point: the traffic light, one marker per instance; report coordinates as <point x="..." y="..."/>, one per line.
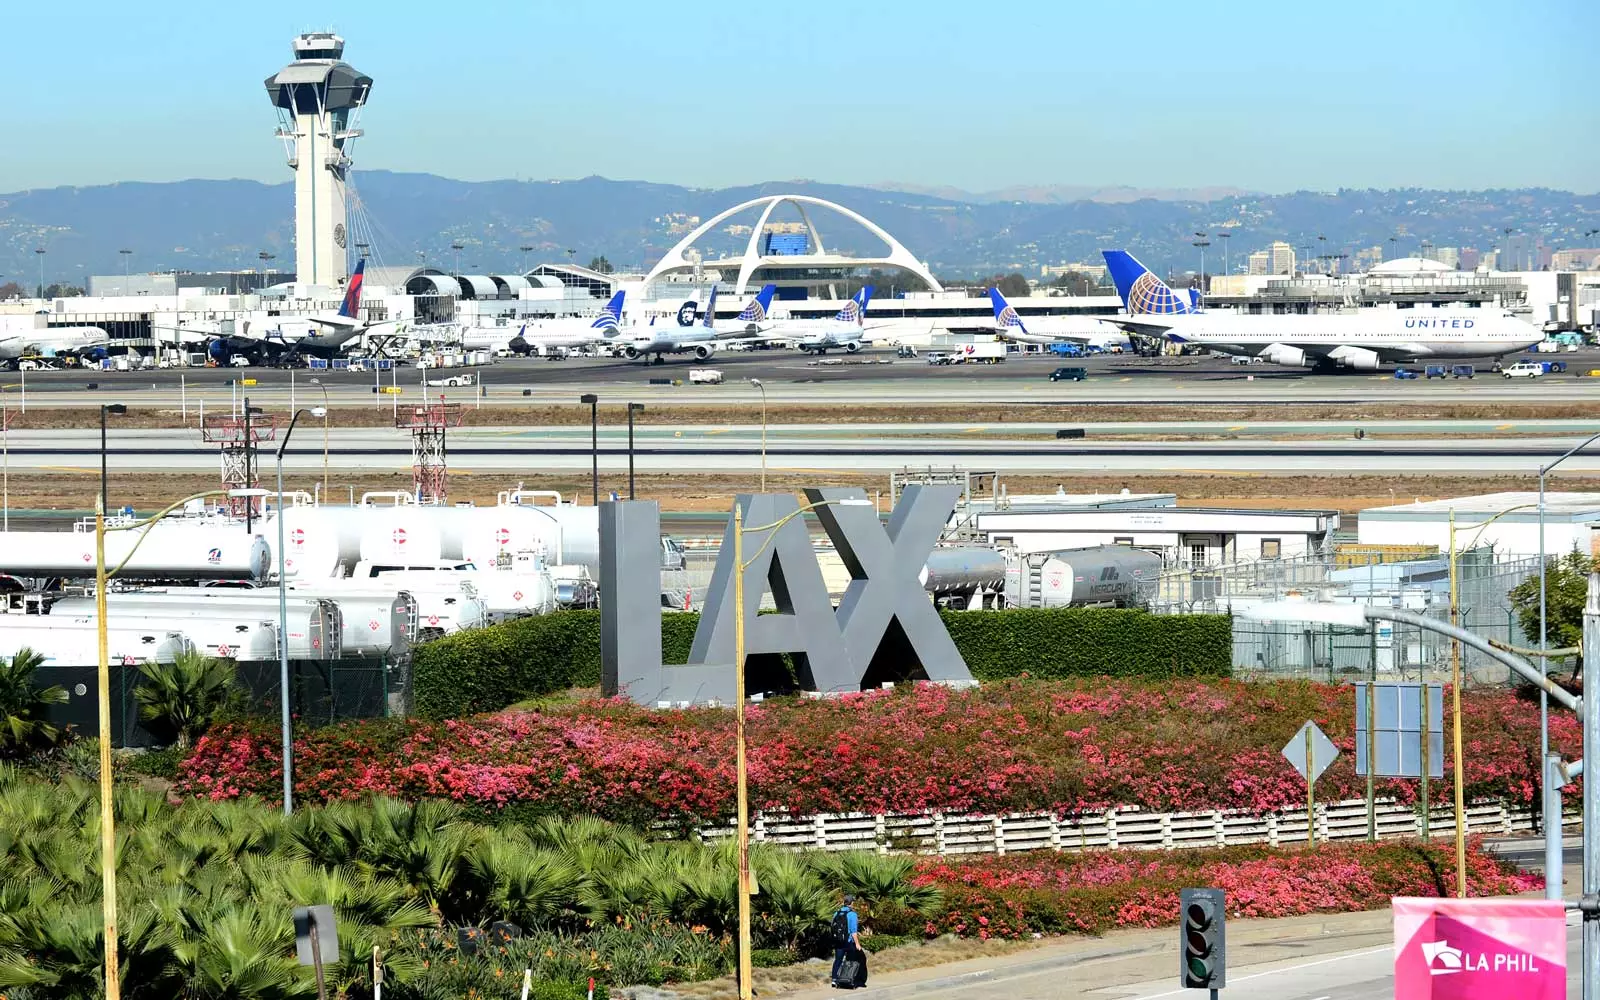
<point x="1203" y="946"/>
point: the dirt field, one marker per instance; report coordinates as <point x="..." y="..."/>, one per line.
<point x="72" y="491"/>
<point x="501" y="416"/>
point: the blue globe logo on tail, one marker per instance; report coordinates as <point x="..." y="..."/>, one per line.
<point x="1150" y="295"/>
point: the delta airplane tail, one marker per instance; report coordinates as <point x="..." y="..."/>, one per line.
<point x="1142" y="293"/>
<point x="611" y="315"/>
<point x="352" y="291"/>
<point x="759" y="306"/>
<point x="855" y="311"/>
<point x="1005" y="314"/>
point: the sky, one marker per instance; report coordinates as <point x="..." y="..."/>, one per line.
<point x="1263" y="96"/>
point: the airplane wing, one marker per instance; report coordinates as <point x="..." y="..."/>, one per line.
<point x="1144" y="326"/>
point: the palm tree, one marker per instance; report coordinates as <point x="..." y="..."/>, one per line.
<point x="22" y="704"/>
<point x="184" y="695"/>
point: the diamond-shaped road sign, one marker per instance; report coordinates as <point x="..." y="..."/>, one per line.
<point x="1322" y="751"/>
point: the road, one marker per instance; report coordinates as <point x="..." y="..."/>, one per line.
<point x="790" y="378"/>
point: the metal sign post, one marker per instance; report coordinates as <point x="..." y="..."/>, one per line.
<point x="1396" y="726"/>
<point x="1310" y="752"/>
<point x="315" y="934"/>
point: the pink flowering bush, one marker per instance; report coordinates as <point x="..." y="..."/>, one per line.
<point x="1073" y="747"/>
<point x="1047" y="893"/>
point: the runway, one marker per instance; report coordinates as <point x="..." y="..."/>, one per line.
<point x="868" y="450"/>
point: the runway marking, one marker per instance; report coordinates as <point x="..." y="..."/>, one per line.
<point x="1505" y="427"/>
<point x="1238" y="427"/>
<point x="974" y="430"/>
<point x="1291" y="968"/>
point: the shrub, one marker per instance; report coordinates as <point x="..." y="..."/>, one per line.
<point x="182" y="697"/>
<point x="484" y="670"/>
<point x="772" y="958"/>
<point x="23" y="705"/>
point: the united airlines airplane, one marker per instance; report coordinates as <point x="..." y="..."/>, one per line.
<point x="1052" y="329"/>
<point x="541" y="336"/>
<point x="846" y="330"/>
<point x="1350" y="340"/>
<point x="702" y="341"/>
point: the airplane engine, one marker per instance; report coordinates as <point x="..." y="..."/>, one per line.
<point x="1282" y="354"/>
<point x="851" y="346"/>
<point x="704" y="351"/>
<point x="631" y="352"/>
<point x="217" y="350"/>
<point x="518" y="346"/>
<point x="1355" y="357"/>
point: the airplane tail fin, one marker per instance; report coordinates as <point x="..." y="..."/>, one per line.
<point x="1005" y="314"/>
<point x="1194" y="300"/>
<point x="1142" y="293"/>
<point x="856" y="309"/>
<point x="759" y="306"/>
<point x="611" y="315"/>
<point x="352" y="291"/>
<point x="711" y="309"/>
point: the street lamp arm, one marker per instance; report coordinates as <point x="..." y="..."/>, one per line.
<point x="1569" y="453"/>
<point x="147" y="522"/>
<point x="780" y="522"/>
<point x="1520" y="651"/>
<point x="1515" y="662"/>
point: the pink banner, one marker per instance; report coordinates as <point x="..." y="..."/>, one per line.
<point x="1480" y="949"/>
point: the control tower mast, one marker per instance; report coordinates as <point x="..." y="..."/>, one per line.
<point x="319" y="99"/>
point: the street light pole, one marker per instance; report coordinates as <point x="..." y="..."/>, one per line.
<point x="594" y="444"/>
<point x="108" y="834"/>
<point x="632" y="409"/>
<point x="325" y="413"/>
<point x="283" y="627"/>
<point x="1591" y="794"/>
<point x="757" y="383"/>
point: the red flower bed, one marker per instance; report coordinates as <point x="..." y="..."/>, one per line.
<point x="1047" y="893"/>
<point x="1068" y="746"/>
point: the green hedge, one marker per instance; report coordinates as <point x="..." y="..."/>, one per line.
<point x="487" y="669"/>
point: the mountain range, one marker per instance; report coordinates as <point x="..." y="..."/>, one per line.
<point x="408" y="217"/>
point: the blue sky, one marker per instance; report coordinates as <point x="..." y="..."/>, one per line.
<point x="1266" y="96"/>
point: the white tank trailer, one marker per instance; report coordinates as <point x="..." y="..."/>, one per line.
<point x="75" y="643"/>
<point x="560" y="533"/>
<point x="315" y="627"/>
<point x="1103" y="574"/>
<point x="377" y="621"/>
<point x="962" y="570"/>
<point x="244" y="637"/>
<point x="167" y="550"/>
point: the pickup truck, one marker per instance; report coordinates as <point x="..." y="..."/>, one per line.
<point x="939" y="358"/>
<point x="705" y="376"/>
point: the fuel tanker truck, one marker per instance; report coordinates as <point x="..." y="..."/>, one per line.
<point x="971" y="577"/>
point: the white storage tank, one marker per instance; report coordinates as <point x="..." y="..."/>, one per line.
<point x="962" y="569"/>
<point x="1102" y="574"/>
<point x="172" y="549"/>
<point x="558" y="532"/>
<point x="376" y="621"/>
<point x="317" y="540"/>
<point x="314" y="626"/>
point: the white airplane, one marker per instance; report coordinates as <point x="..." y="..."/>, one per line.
<point x="77" y="341"/>
<point x="703" y="340"/>
<point x="1362" y="341"/>
<point x="846" y="330"/>
<point x="540" y="336"/>
<point x="1008" y="325"/>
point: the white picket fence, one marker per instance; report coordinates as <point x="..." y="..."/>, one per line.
<point x="937" y="833"/>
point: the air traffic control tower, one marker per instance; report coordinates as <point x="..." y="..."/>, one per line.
<point x="319" y="99"/>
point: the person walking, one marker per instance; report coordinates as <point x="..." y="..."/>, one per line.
<point x="846" y="932"/>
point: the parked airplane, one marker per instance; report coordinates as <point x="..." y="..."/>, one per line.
<point x="703" y="340"/>
<point x="1365" y="340"/>
<point x="75" y="341"/>
<point x="541" y="336"/>
<point x="845" y="330"/>
<point x="1053" y="329"/>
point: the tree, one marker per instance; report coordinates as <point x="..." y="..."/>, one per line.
<point x="22" y="704"/>
<point x="600" y="264"/>
<point x="12" y="290"/>
<point x="1013" y="286"/>
<point x="62" y="291"/>
<point x="1074" y="282"/>
<point x="1566" y="590"/>
<point x="185" y="695"/>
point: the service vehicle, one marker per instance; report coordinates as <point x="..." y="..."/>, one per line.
<point x="1405" y="373"/>
<point x="939" y="358"/>
<point x="1069" y="374"/>
<point x="905" y="351"/>
<point x="1523" y="369"/>
<point x="705" y="376"/>
<point x="1463" y="371"/>
<point x="454" y="381"/>
<point x="1553" y="367"/>
<point x="984" y="352"/>
<point x="1437" y="371"/>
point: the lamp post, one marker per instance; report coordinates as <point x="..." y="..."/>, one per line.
<point x="40" y="253"/>
<point x="325" y="412"/>
<point x="747" y="886"/>
<point x="632" y="409"/>
<point x="757" y="383"/>
<point x="108" y="837"/>
<point x="125" y="253"/>
<point x="1552" y="853"/>
<point x="525" y="248"/>
<point x="1201" y="242"/>
<point x="457" y="248"/>
<point x="117" y="409"/>
<point x="283" y="621"/>
<point x="594" y="444"/>
<point x="1455" y="705"/>
<point x="1225" y="237"/>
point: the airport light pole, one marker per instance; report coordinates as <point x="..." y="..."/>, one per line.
<point x="1202" y="243"/>
<point x="126" y="253"/>
<point x="457" y="248"/>
<point x="632" y="409"/>
<point x="112" y="408"/>
<point x="757" y="383"/>
<point x="747" y="886"/>
<point x="594" y="445"/>
<point x="283" y="622"/>
<point x="325" y="412"/>
<point x="1544" y="668"/>
<point x="108" y="834"/>
<point x="40" y="252"/>
<point x="1225" y="237"/>
<point x="525" y="250"/>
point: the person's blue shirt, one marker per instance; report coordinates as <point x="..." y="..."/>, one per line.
<point x="851" y="920"/>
